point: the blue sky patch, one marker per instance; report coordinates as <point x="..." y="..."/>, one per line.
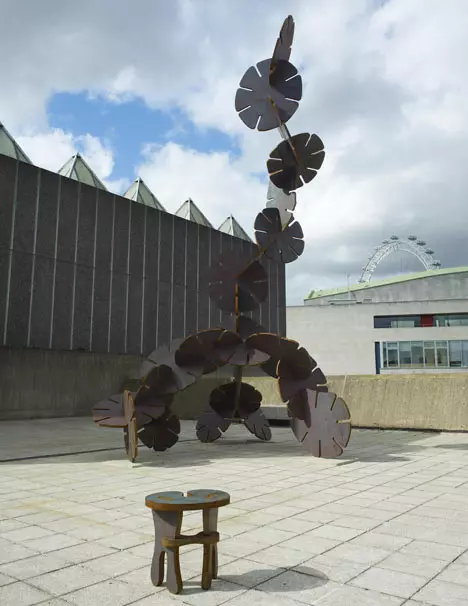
<point x="127" y="127"/>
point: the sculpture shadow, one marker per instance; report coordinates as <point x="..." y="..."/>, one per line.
<point x="452" y="446"/>
<point x="266" y="580"/>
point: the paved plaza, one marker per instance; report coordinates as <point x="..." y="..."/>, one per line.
<point x="385" y="525"/>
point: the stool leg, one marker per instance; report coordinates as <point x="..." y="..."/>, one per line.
<point x="210" y="552"/>
<point x="174" y="578"/>
<point x="166" y="524"/>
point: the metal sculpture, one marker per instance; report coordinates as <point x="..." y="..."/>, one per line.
<point x="267" y="97"/>
<point x="414" y="246"/>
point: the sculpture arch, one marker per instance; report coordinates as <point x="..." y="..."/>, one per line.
<point x="413" y="245"/>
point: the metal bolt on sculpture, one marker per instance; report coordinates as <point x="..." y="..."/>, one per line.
<point x="267" y="97"/>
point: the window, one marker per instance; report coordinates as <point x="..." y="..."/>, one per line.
<point x="455" y="351"/>
<point x="442" y="354"/>
<point x="425" y="354"/>
<point x="451" y="320"/>
<point x="417" y="354"/>
<point x="405" y="354"/>
<point x="429" y="354"/>
<point x="424" y="321"/>
<point x="396" y="321"/>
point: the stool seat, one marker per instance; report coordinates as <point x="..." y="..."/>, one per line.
<point x="168" y="508"/>
<point x="195" y="499"/>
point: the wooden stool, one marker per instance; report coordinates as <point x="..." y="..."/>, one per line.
<point x="168" y="509"/>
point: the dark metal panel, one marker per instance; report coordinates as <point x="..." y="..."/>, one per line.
<point x="165" y="247"/>
<point x="153" y="218"/>
<point x="68" y="217"/>
<point x="41" y="310"/>
<point x="104" y="229"/>
<point x="20" y="292"/>
<point x="137" y="236"/>
<point x="47" y="215"/>
<point x="86" y="225"/>
<point x="8" y="168"/>
<point x="100" y="326"/>
<point x="191" y="267"/>
<point x="282" y="300"/>
<point x="25" y="211"/>
<point x="216" y="243"/>
<point x="178" y="312"/>
<point x="164" y="314"/>
<point x="82" y="307"/>
<point x="203" y="310"/>
<point x="63" y="305"/>
<point x="118" y="312"/>
<point x="264" y="318"/>
<point x="121" y="234"/>
<point x="204" y="240"/>
<point x="180" y="230"/>
<point x="135" y="294"/>
<point x="150" y="315"/>
<point x="4" y="265"/>
<point x="273" y="296"/>
<point x="191" y="308"/>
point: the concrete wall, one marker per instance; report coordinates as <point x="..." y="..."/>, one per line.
<point x="84" y="269"/>
<point x="47" y="384"/>
<point x="427" y="288"/>
<point x="341" y="337"/>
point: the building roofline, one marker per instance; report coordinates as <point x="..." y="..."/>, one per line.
<point x="317" y="294"/>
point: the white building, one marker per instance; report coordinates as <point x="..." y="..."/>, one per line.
<point x="410" y="323"/>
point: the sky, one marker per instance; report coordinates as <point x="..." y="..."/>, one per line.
<point x="147" y="89"/>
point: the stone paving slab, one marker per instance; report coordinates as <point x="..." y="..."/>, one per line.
<point x="385" y="525"/>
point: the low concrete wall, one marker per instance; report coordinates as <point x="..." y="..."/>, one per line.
<point x="413" y="401"/>
<point x="36" y="384"/>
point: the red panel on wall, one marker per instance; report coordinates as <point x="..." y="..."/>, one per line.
<point x="427" y="320"/>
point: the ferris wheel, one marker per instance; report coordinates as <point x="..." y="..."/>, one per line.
<point x="412" y="245"/>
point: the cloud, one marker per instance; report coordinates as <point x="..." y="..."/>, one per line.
<point x="51" y="148"/>
<point x="385" y="87"/>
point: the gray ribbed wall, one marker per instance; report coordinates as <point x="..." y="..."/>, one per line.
<point x="81" y="268"/>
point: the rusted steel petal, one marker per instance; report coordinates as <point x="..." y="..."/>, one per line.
<point x="222" y="400"/>
<point x="258" y="424"/>
<point x="284" y="202"/>
<point x="246" y="326"/>
<point x="280" y="244"/>
<point x="324" y="424"/>
<point x="268" y="94"/>
<point x="160" y="434"/>
<point x="159" y="382"/>
<point x="230" y="274"/>
<point x="110" y="412"/>
<point x="211" y="426"/>
<point x="297" y="371"/>
<point x="284" y="42"/>
<point x="248" y="356"/>
<point x="290" y="168"/>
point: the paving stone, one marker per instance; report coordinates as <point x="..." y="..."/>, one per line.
<point x="21" y="594"/>
<point x="400" y="584"/>
<point x="359" y="554"/>
<point x="416" y="564"/>
<point x="34" y="566"/>
<point x="300" y="587"/>
<point x="441" y="593"/>
<point x="246" y="573"/>
<point x="67" y="579"/>
<point x="355" y="596"/>
<point x="108" y="593"/>
<point x="455" y="573"/>
<point x="438" y="551"/>
<point x="335" y="569"/>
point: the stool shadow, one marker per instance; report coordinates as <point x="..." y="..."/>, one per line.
<point x="307" y="578"/>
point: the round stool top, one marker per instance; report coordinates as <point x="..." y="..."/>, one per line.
<point x="195" y="499"/>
